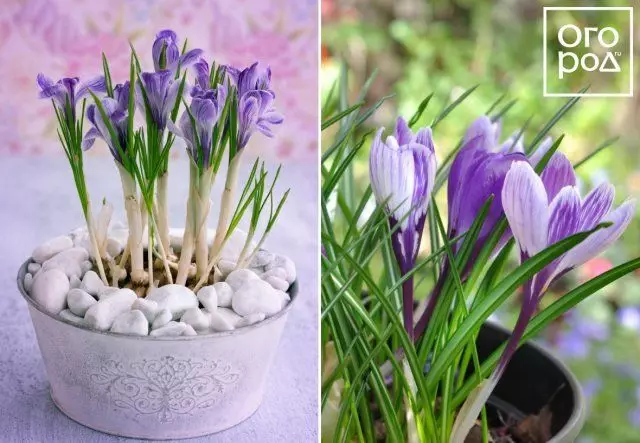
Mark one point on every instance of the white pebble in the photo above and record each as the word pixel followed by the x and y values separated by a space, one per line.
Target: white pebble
pixel 226 266
pixel 79 301
pixel 285 263
pixel 74 282
pixel 208 297
pixel 256 296
pixel 131 323
pixel 33 267
pixel 50 290
pixel 50 248
pixel 148 307
pixel 162 318
pixel 28 282
pixel 251 319
pixel 107 291
pixel 224 293
pixel 114 247
pixel 196 318
pixel 71 317
pixel 175 298
pixel 188 331
pixel 275 272
pixel 277 283
pixel 223 319
pixel 262 258
pixel 284 298
pixel 86 266
pixel 240 277
pixel 101 315
pixel 92 283
pixel 171 329
pixel 69 261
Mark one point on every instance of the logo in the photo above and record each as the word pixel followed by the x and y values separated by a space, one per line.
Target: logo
pixel 588 46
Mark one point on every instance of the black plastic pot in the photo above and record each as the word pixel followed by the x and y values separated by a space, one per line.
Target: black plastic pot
pixel 534 378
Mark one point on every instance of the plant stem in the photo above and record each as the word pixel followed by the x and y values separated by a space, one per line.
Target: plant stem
pixel 163 212
pixel 245 248
pixel 94 245
pixel 134 220
pixel 189 230
pixel 225 206
pixel 203 205
pixel 163 252
pixel 256 249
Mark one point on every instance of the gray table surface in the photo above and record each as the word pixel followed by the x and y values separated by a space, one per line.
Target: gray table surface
pixel 38 201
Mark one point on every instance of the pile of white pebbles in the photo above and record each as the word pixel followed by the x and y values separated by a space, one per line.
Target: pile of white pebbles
pixel 61 280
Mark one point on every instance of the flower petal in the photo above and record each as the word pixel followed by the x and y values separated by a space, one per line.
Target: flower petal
pixel 402 132
pixel 564 214
pixel 483 128
pixel 97 85
pixel 90 138
pixel 525 204
pixel 595 205
pixel 557 174
pixel 543 147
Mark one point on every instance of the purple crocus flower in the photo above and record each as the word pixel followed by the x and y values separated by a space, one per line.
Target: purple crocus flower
pixel 205 108
pixel 477 173
pixel 543 210
pixel 69 88
pixel 162 92
pixel 168 39
pixel 402 170
pixel 255 102
pixel 116 110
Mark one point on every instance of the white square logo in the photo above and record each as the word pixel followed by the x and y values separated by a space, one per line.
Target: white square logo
pixel 588 46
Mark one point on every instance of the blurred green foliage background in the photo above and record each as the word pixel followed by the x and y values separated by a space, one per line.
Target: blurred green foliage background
pixel 418 47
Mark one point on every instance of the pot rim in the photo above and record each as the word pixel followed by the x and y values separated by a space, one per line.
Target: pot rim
pixel 293 293
pixel 579 413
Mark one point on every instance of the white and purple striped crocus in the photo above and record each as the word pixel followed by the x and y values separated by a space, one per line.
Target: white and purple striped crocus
pixel 255 102
pixel 402 169
pixel 477 173
pixel 205 108
pixel 167 41
pixel 162 92
pixel 69 89
pixel 117 111
pixel 541 211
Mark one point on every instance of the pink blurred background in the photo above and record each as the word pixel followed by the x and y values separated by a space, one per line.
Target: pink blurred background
pixel 66 37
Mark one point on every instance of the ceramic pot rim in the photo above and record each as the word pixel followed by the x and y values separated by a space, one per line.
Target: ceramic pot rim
pixel 293 293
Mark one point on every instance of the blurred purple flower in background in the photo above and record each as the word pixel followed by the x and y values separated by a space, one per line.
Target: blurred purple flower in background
pixel 69 88
pixel 402 170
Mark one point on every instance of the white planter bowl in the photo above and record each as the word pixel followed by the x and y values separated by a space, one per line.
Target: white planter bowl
pixel 156 387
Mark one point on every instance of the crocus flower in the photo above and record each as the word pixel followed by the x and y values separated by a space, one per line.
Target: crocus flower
pixel 69 88
pixel 255 102
pixel 477 173
pixel 162 92
pixel 205 108
pixel 168 40
pixel 116 110
pixel 402 170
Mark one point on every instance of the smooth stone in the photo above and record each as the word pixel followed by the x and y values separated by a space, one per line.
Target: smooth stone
pixel 277 283
pixel 275 272
pixel 118 233
pixel 33 267
pixel 28 282
pixel 80 301
pixel 162 318
pixel 175 298
pixel 251 319
pixel 101 315
pixel 131 322
pixel 208 297
pixel 148 307
pixel 262 258
pixel 226 266
pixel 224 319
pixel 83 241
pixel 239 277
pixel 224 293
pixel 50 290
pixel 114 247
pixel 284 298
pixel 69 261
pixel 234 245
pixel 196 318
pixel 171 329
pixel 50 248
pixel 69 316
pixel 189 331
pixel 74 282
pixel 92 283
pixel 256 296
pixel 107 291
pixel 86 266
pixel 285 263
